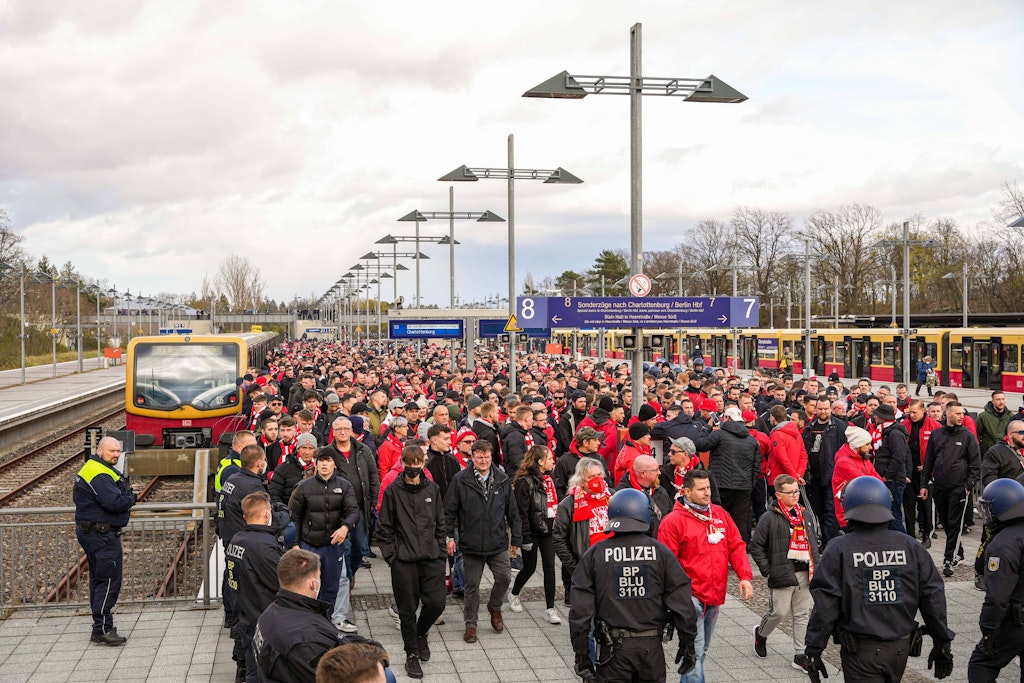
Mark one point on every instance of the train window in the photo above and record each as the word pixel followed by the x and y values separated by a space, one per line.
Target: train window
pixel 888 355
pixel 1010 357
pixel 956 357
pixel 841 352
pixel 830 352
pixel 168 376
pixel 932 350
pixel 876 353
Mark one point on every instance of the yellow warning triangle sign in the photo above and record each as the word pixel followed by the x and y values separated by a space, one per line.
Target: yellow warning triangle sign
pixel 512 325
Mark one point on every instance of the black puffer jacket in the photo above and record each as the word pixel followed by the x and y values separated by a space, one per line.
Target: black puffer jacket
pixel 735 458
pixel 411 526
pixel 893 458
pixel 482 515
pixel 360 469
pixel 319 508
pixel 769 546
pixel 285 478
pixel 514 444
pixel 533 507
pixel 679 426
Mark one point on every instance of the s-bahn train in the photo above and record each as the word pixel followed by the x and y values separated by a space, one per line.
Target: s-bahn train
pixel 973 357
pixel 181 391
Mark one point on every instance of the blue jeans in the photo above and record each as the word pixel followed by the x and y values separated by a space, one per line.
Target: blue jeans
pixel 359 547
pixel 706 617
pixel 458 573
pixel 332 568
pixel 896 489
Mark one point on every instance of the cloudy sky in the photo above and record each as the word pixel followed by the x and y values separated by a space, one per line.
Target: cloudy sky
pixel 146 141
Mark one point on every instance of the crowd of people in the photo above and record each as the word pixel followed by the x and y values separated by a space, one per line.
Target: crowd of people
pixel 448 473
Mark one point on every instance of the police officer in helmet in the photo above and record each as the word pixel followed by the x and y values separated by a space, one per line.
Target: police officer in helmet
pixel 630 585
pixel 1002 613
pixel 868 589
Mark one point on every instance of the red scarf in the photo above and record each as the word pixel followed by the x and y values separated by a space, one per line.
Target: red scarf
pixel 587 506
pixel 549 488
pixel 286 450
pixel 799 546
pixel 263 440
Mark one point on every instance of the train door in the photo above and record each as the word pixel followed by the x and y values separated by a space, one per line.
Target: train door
pixel 967 364
pixel 897 359
pixel 818 355
pixel 995 364
pixel 980 365
pixel 848 358
pixel 720 352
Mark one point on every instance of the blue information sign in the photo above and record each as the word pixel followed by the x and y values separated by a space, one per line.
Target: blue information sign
pixel 581 312
pixel 426 329
pixel 493 328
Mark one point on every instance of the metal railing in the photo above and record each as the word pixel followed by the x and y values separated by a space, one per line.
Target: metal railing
pixel 167 557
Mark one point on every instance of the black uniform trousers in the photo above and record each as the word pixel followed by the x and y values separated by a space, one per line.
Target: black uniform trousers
pixel 1007 642
pixel 636 660
pixel 876 661
pixel 105 556
pixel 949 507
pixel 415 583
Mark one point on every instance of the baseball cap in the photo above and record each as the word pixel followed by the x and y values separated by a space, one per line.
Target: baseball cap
pixel 685 443
pixel 733 413
pixel 749 416
pixel 586 433
pixel 396 403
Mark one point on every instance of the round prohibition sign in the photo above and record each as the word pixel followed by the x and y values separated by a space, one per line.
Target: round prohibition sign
pixel 640 285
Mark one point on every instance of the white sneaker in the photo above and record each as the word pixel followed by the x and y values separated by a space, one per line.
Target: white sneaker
pixel 514 601
pixel 347 627
pixel 552 616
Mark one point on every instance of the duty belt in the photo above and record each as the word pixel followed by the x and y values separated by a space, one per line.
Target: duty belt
pixel 626 633
pixel 97 527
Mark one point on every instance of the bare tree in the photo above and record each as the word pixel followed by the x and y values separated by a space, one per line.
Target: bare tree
pixel 240 282
pixel 842 237
pixel 710 245
pixel 762 239
pixel 1011 204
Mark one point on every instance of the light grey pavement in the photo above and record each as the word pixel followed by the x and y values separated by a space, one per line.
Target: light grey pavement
pixel 35 373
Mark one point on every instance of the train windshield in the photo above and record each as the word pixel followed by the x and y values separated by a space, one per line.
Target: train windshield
pixel 169 376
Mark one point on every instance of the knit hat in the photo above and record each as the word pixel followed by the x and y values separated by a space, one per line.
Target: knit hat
pixel 646 413
pixel 306 440
pixel 360 408
pixel 638 430
pixel 357 424
pixel 857 437
pixel 332 399
pixel 577 395
pixel 474 401
pixel 606 404
pixel 463 433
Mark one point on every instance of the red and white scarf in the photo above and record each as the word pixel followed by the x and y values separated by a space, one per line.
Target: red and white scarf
pixel 286 450
pixel 549 488
pixel 799 546
pixel 588 506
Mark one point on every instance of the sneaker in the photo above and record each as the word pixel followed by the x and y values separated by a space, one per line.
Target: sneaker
pixel 347 626
pixel 366 563
pixel 109 638
pixel 412 666
pixel 979 582
pixel 760 644
pixel 393 613
pixel 947 569
pixel 459 594
pixel 926 542
pixel 424 648
pixel 439 621
pixel 517 605
pixel 968 530
pixel 372 555
pixel 565 600
pixel 552 616
pixel 800 663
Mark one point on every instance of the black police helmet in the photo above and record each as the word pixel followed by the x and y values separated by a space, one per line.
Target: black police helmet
pixel 1002 500
pixel 629 510
pixel 866 499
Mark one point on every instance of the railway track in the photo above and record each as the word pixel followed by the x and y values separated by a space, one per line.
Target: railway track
pixel 31 471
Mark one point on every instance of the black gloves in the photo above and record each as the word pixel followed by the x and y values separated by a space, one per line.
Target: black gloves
pixel 685 656
pixel 942 658
pixel 585 668
pixel 815 667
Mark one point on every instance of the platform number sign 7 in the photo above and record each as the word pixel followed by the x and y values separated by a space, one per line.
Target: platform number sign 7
pixel 744 311
pixel 533 311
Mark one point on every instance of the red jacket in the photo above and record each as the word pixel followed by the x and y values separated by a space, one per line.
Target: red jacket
pixel 927 428
pixel 849 465
pixel 608 430
pixel 787 454
pixel 388 453
pixel 765 444
pixel 624 461
pixel 706 564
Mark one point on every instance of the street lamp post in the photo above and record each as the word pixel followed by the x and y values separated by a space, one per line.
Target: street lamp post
pixel 906 242
pixel 511 174
pixel 393 240
pixel 566 86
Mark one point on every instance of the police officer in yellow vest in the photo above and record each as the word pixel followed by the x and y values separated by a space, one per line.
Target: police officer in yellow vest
pixel 232 464
pixel 103 503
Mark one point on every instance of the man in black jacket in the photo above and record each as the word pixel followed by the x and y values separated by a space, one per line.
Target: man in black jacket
pixel 644 477
pixel 784 546
pixel 892 459
pixel 683 424
pixel 356 463
pixel 1004 459
pixel 442 465
pixel 953 462
pixel 481 505
pixel 823 437
pixel 251 559
pixel 325 511
pixel 517 438
pixel 288 474
pixel 571 418
pixel 410 510
pixel 735 463
pixel 294 632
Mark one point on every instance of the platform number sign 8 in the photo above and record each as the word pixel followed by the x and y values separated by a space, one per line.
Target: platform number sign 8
pixel 526 310
pixel 533 311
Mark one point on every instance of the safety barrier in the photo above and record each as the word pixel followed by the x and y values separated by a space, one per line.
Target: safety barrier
pixel 167 557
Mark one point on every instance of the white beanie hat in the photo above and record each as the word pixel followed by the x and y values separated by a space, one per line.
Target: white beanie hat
pixel 857 437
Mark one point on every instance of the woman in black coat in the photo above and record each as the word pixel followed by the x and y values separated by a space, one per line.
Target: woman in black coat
pixel 535 495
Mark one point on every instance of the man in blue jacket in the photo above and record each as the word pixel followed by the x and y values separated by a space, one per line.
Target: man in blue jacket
pixel 103 502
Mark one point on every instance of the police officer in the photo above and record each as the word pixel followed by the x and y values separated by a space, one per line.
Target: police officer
pixel 630 585
pixel 251 559
pixel 103 503
pixel 231 464
pixel 1002 613
pixel 868 588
